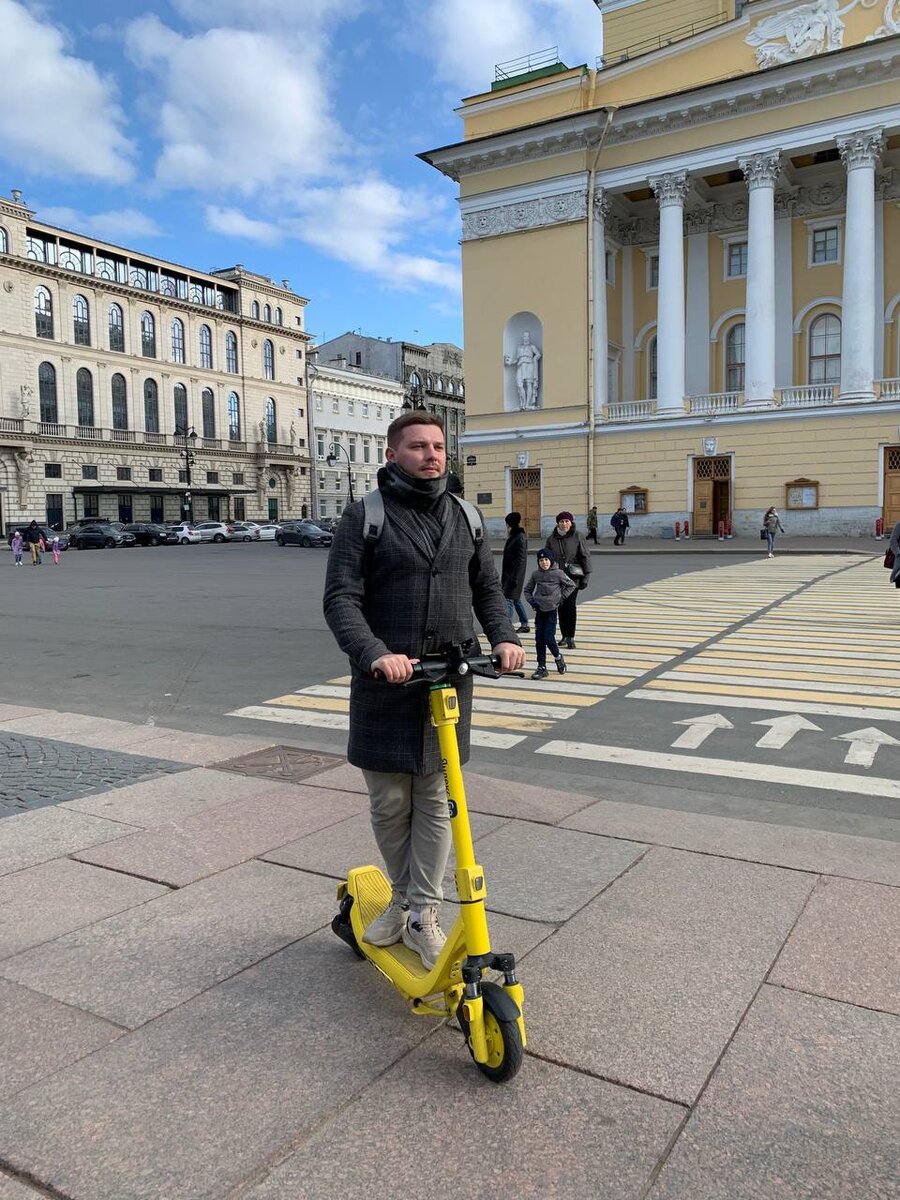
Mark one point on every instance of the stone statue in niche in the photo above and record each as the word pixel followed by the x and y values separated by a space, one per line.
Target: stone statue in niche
pixel 261 485
pixel 293 437
pixel 26 394
pixel 798 33
pixel 291 478
pixel 526 360
pixel 263 432
pixel 24 460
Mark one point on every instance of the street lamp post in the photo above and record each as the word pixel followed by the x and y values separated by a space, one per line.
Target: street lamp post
pixel 190 436
pixel 334 457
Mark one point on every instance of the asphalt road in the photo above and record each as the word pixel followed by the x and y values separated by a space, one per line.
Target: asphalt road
pixel 184 636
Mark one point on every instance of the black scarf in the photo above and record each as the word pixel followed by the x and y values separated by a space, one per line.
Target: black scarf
pixel 426 497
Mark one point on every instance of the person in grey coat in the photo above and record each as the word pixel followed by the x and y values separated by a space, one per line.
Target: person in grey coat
pixel 569 550
pixel 512 572
pixel 545 591
pixel 410 593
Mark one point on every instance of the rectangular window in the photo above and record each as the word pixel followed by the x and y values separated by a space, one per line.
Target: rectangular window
pixel 321 485
pixel 123 472
pixel 336 406
pixel 157 508
pixel 367 450
pixel 88 472
pixel 378 413
pixel 737 260
pixel 320 445
pixel 55 510
pixel 318 403
pixel 212 476
pixel 92 506
pixel 350 407
pixel 825 245
pixel 125 510
pixel 154 474
pixel 351 444
pixel 610 268
pixel 652 272
pixel 182 477
pixel 53 470
pixel 240 508
pixel 238 478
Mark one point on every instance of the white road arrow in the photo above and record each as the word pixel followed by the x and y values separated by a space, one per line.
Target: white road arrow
pixel 864 744
pixel 699 729
pixel 783 729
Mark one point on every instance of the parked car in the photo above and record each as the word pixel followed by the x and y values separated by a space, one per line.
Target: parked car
pixel 100 537
pixel 268 533
pixel 302 533
pixel 244 531
pixel 214 531
pixel 329 524
pixel 182 535
pixel 147 533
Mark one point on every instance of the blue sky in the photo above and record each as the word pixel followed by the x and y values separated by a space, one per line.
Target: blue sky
pixel 280 134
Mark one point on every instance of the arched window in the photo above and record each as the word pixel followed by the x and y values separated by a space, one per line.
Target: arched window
pixel 268 359
pixel 440 383
pixel 735 357
pixel 231 359
pixel 279 317
pixel 414 380
pixel 4 241
pixel 119 402
pixel 81 321
pixel 47 393
pixel 181 410
pixel 825 349
pixel 652 369
pixel 267 313
pixel 148 335
pixel 254 310
pixel 84 391
pixel 151 406
pixel 208 402
pixel 116 328
pixel 43 313
pixel 234 417
pixel 271 424
pixel 206 355
pixel 178 340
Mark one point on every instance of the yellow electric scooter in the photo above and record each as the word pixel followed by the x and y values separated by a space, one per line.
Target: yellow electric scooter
pixel 489 1013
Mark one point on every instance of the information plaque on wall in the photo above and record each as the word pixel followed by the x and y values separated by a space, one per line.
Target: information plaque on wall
pixel 484 498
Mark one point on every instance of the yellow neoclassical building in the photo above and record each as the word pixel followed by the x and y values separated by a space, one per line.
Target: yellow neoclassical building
pixel 681 270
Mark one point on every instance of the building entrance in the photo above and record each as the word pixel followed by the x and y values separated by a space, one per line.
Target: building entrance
pixel 891 487
pixel 712 495
pixel 526 498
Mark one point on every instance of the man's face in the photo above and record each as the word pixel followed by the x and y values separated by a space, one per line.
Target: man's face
pixel 421 452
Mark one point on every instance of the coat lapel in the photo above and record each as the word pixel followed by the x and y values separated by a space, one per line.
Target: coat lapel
pixel 452 514
pixel 405 520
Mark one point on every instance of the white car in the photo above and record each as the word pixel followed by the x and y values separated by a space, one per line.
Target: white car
pixel 214 531
pixel 267 532
pixel 182 535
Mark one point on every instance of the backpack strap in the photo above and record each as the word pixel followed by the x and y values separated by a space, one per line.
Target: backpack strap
pixel 473 518
pixel 373 517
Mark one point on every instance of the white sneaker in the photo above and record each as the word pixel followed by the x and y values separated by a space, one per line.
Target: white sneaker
pixel 388 928
pixel 770 556
pixel 425 936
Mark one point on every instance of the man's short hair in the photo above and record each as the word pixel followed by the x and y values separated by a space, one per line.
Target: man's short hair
pixel 415 417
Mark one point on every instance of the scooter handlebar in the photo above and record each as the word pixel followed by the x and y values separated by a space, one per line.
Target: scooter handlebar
pixel 438 669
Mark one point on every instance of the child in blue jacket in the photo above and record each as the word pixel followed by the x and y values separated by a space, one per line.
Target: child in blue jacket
pixel 545 591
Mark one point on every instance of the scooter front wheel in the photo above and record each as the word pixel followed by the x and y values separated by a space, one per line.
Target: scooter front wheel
pixel 504 1039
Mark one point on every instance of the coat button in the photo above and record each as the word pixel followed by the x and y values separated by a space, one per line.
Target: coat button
pixel 430 633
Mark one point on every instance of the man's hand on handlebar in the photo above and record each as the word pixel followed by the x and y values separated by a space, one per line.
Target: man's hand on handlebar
pixel 511 656
pixel 393 668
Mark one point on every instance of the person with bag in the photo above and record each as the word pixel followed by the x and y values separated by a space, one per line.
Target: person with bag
pixel 619 521
pixel 568 548
pixel 512 572
pixel 34 538
pixel 892 556
pixel 771 526
pixel 592 524
pixel 547 588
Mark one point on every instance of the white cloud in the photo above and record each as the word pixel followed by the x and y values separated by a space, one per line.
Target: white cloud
pixel 58 115
pixel 117 225
pixel 233 223
pixel 311 16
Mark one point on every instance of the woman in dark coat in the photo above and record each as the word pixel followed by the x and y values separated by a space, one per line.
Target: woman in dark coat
pixel 512 573
pixel 895 546
pixel 569 549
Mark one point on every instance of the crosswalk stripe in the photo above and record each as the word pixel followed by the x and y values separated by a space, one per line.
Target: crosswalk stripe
pixel 797 692
pixel 499 721
pixel 495 741
pixel 829 669
pixel 769 703
pixel 293 716
pixel 579 695
pixel 698 675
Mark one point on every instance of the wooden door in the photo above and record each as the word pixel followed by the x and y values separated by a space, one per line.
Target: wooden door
pixel 703 507
pixel 712 494
pixel 526 499
pixel 891 487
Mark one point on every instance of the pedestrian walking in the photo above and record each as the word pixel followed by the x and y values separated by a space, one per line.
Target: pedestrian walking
pixel 895 550
pixel 592 524
pixel 34 538
pixel 16 542
pixel 619 521
pixel 569 550
pixel 771 527
pixel 545 591
pixel 55 546
pixel 512 572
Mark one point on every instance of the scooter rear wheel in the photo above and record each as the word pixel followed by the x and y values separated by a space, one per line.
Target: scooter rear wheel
pixel 340 925
pixel 505 1051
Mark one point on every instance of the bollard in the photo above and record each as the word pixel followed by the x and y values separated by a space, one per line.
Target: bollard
pixel 721 531
pixel 729 528
pixel 879 527
pixel 677 531
pixel 687 530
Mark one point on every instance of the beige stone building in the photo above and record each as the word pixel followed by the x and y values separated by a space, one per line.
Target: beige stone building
pixel 116 366
pixel 681 270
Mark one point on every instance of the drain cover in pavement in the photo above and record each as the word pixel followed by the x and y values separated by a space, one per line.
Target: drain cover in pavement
pixel 285 763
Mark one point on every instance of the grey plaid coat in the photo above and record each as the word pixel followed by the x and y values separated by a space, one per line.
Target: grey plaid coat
pixel 397 597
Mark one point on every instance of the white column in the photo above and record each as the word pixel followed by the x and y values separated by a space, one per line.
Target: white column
pixel 696 376
pixel 670 191
pixel 627 289
pixel 860 153
pixel 600 330
pixel 784 291
pixel 760 171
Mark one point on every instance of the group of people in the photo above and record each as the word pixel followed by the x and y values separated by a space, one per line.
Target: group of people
pixel 33 537
pixel 619 522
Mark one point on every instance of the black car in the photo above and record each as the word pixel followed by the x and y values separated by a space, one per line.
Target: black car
pixel 146 533
pixel 302 533
pixel 99 537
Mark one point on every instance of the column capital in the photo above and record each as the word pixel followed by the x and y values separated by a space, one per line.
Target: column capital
pixel 862 149
pixel 670 189
pixel 761 170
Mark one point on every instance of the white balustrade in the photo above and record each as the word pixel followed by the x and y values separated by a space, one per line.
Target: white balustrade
pixel 631 410
pixel 11 425
pixel 809 396
pixel 155 439
pixel 121 435
pixel 51 429
pixel 716 402
pixel 889 389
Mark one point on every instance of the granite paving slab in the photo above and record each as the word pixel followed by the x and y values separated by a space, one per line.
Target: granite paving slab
pixel 545 873
pixel 549 1133
pixel 507 933
pixel 203 750
pixel 38 1036
pixel 345 778
pixel 35 837
pixel 199 1100
pixel 55 897
pixel 800 849
pixel 134 966
pixel 646 984
pixel 13 712
pixel 804 1106
pixel 508 798
pixel 40 771
pixel 175 797
pixel 62 725
pixel 178 854
pixel 12 1189
pixel 846 945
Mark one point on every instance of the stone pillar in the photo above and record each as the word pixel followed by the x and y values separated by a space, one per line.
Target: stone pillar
pixel 760 171
pixel 670 191
pixel 600 345
pixel 860 153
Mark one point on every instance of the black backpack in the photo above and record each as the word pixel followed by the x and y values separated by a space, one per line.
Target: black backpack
pixel 373 517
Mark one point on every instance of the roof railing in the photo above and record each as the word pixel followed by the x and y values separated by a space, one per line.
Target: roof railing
pixel 679 34
pixel 529 62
